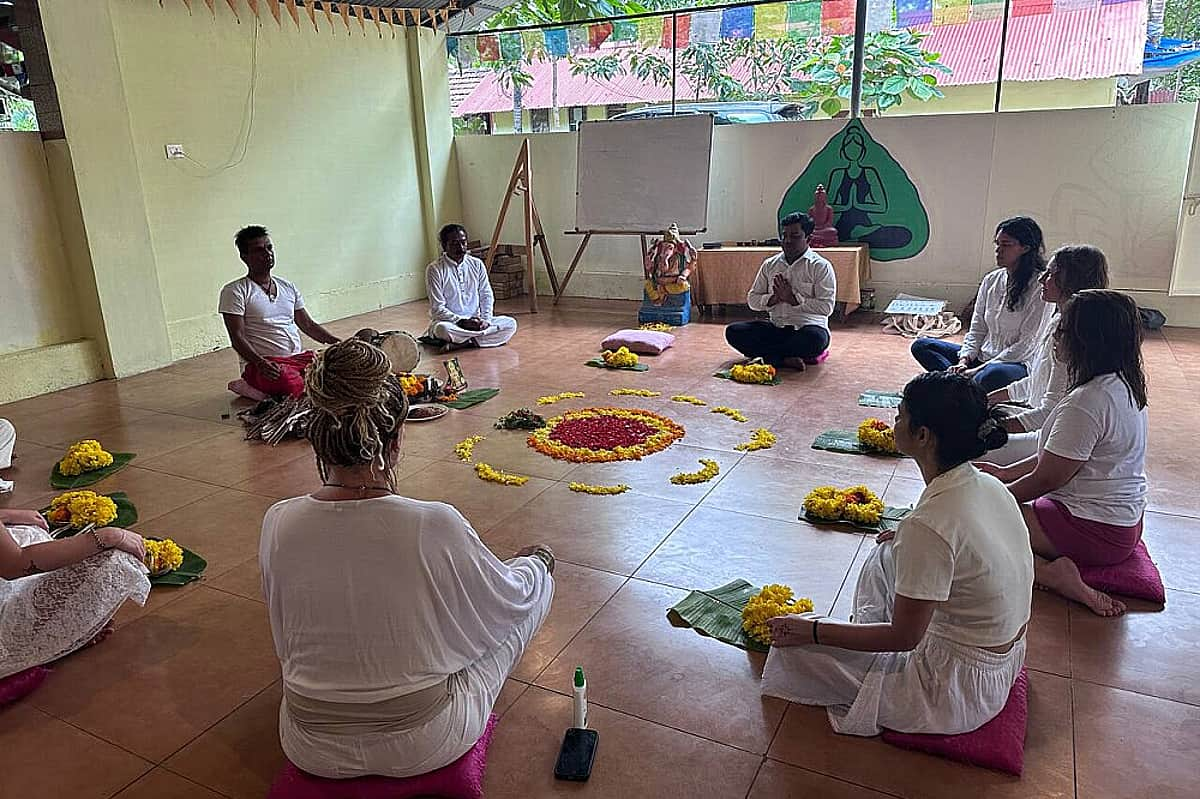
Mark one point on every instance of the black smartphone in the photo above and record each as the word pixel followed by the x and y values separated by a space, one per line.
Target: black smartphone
pixel 576 756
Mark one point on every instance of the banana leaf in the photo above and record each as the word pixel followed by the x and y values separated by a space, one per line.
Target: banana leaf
pixel 717 613
pixel 127 515
pixel 192 567
pixel 889 520
pixel 599 362
pixel 465 399
pixel 727 374
pixel 63 483
pixel 872 398
pixel 847 441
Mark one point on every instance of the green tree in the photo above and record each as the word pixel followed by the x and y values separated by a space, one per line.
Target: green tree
pixel 1182 21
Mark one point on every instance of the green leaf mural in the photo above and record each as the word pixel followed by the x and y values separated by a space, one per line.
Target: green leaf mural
pixel 874 200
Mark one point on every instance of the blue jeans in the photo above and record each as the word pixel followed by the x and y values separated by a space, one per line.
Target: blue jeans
pixel 938 356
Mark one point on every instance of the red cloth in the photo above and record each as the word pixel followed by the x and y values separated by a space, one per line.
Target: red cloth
pixel 1086 542
pixel 291 375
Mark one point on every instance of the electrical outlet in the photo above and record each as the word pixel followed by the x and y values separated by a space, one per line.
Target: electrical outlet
pixel 175 151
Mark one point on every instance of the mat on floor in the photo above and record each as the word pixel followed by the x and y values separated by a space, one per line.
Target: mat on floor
pixel 847 441
pixel 599 363
pixel 61 481
pixel 192 567
pixel 1137 576
pixel 872 398
pixel 727 374
pixel 717 613
pixel 465 399
pixel 127 515
pixel 889 520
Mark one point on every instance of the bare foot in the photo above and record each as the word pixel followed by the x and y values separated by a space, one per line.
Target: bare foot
pixel 1062 577
pixel 795 363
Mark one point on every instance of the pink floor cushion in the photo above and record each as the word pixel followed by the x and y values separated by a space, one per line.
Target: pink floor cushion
pixel 999 744
pixel 822 358
pixel 643 342
pixel 462 779
pixel 20 685
pixel 1136 576
pixel 244 389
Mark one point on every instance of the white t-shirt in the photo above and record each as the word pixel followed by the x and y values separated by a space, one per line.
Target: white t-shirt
pixel 270 324
pixel 966 546
pixel 1099 424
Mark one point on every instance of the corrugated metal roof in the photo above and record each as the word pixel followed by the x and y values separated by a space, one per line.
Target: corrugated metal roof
pixel 1102 42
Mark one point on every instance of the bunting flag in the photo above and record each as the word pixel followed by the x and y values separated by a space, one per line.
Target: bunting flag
pixel 344 10
pixel 837 17
pixel 737 23
pixel 598 34
pixel 510 47
pixel 294 12
pixel 683 29
pixel 375 17
pixel 913 12
pixel 625 30
pixel 770 21
pixel 650 32
pixel 187 3
pixel 880 15
pixel 311 8
pixel 986 9
pixel 577 40
pixel 275 11
pixel 211 6
pixel 467 50
pixel 489 47
pixel 706 27
pixel 556 42
pixel 532 43
pixel 1075 5
pixel 804 19
pixel 1029 8
pixel 452 45
pixel 328 7
pixel 362 19
pixel 233 7
pixel 950 12
pixel 253 7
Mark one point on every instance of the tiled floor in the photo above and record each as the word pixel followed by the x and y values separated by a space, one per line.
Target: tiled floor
pixel 181 701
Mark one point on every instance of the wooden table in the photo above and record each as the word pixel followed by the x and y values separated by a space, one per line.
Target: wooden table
pixel 723 276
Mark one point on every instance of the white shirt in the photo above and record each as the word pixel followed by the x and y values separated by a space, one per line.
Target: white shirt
pixel 812 280
pixel 999 334
pixel 458 291
pixel 269 324
pixel 1099 424
pixel 966 546
pixel 1047 382
pixel 374 599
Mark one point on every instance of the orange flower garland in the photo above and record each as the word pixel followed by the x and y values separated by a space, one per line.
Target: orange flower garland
pixel 601 435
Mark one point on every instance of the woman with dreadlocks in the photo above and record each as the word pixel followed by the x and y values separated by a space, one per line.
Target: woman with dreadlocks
pixel 395 626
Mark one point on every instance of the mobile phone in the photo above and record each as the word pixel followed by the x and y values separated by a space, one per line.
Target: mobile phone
pixel 576 756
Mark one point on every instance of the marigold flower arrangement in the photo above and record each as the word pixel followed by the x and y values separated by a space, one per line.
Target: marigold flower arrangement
pixel 732 413
pixel 657 327
pixel 688 398
pixel 634 392
pixel 711 469
pixel 772 601
pixel 485 472
pixel 856 504
pixel 162 556
pixel 825 502
pixel 587 488
pixel 465 448
pixel 81 508
pixel 412 384
pixel 601 435
pixel 84 456
pixel 622 357
pixel 877 434
pixel 761 438
pixel 553 398
pixel 752 372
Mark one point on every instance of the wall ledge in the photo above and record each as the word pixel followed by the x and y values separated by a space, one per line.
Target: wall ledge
pixel 40 370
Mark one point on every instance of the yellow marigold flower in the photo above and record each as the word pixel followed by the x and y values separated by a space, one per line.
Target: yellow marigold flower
pixel 634 392
pixel 658 327
pixel 622 357
pixel 163 556
pixel 587 488
pixel 859 504
pixel 465 448
pixel 84 456
pixel 732 413
pixel 711 469
pixel 689 399
pixel 752 372
pixel 81 508
pixel 825 502
pixel 877 434
pixel 486 472
pixel 552 398
pixel 772 601
pixel 761 438
pixel 412 384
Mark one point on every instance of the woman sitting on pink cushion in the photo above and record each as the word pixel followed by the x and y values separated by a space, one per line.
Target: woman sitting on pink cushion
pixel 1085 488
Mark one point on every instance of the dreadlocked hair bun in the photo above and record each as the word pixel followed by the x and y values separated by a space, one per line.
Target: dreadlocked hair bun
pixel 358 406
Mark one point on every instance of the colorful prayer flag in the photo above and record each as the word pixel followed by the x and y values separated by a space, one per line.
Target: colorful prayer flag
pixel 683 27
pixel 880 15
pixel 837 17
pixel 804 19
pixel 556 42
pixel 468 51
pixel 770 21
pixel 950 12
pixel 625 30
pixel 706 27
pixel 489 47
pixel 510 47
pixel 1075 5
pixel 452 47
pixel 598 34
pixel 650 32
pixel 986 9
pixel 577 40
pixel 737 23
pixel 1030 8
pixel 913 12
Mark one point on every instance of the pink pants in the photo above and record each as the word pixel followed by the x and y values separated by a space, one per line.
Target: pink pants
pixel 1086 542
pixel 291 375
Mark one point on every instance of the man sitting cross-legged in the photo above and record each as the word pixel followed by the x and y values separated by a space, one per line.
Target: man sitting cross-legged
pixel 461 299
pixel 264 315
pixel 797 288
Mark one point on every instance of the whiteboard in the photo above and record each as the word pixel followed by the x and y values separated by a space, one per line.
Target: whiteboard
pixel 640 175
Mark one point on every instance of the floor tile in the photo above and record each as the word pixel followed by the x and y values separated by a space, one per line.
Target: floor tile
pixel 227 459
pixel 637 663
pixel 481 502
pixel 61 429
pixel 777 780
pixel 154 493
pixel 30 474
pixel 652 475
pixel 157 434
pixel 162 784
pixel 244 580
pixel 1174 544
pixel 1048 639
pixel 633 757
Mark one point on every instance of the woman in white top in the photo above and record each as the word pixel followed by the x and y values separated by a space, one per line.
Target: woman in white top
pixel 57 596
pixel 1072 269
pixel 395 626
pixel 940 610
pixel 1086 486
pixel 1008 312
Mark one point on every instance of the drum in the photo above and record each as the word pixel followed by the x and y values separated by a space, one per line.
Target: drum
pixel 401 348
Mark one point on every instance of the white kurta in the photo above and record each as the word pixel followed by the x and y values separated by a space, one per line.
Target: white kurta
pixel 998 334
pixel 462 291
pixel 374 600
pixel 8 440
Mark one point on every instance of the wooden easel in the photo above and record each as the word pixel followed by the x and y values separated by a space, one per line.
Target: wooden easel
pixel 521 183
pixel 587 238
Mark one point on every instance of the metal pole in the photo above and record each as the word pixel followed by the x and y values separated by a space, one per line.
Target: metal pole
pixel 674 51
pixel 1003 48
pixel 860 36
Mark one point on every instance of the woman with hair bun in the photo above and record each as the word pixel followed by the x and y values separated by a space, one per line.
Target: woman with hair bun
pixel 941 607
pixel 395 626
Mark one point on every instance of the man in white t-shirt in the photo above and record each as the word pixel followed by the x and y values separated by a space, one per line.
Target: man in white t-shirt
pixel 264 315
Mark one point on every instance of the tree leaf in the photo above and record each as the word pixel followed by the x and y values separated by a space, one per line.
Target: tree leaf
pixel 832 106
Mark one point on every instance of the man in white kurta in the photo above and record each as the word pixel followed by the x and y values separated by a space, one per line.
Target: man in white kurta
pixel 460 297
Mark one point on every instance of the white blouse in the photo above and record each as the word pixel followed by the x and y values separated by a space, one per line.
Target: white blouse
pixel 1047 380
pixel 998 334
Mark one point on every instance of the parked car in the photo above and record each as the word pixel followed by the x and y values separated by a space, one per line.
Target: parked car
pixel 729 113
